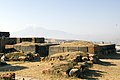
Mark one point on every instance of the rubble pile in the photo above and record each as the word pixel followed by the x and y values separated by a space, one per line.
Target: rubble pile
pixel 19 56
pixel 72 57
pixel 70 64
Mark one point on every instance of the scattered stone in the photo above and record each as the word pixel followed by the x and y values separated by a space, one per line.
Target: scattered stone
pixel 8 76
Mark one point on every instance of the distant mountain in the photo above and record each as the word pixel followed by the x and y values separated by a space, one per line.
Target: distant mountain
pixel 56 34
pixel 42 32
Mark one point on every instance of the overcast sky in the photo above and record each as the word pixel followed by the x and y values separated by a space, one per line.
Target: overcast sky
pixel 74 16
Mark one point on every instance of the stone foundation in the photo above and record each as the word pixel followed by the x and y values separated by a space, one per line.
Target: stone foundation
pixel 99 49
pixel 58 49
pixel 41 49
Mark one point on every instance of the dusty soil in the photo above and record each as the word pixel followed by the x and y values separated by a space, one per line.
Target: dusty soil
pixel 75 44
pixel 108 69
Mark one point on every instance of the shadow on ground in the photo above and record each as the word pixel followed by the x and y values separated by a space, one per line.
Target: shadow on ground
pixel 104 63
pixel 92 74
pixel 95 74
pixel 8 67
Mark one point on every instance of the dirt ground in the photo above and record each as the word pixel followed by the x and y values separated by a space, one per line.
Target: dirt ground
pixel 108 69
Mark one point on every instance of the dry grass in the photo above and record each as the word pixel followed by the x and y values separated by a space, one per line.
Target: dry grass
pixel 108 69
pixel 78 43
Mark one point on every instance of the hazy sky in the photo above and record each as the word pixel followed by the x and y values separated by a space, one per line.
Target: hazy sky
pixel 73 16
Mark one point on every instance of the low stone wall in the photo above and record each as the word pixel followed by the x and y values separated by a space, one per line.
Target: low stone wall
pixel 2 44
pixel 93 48
pixel 11 41
pixel 60 49
pixel 38 40
pixel 102 50
pixel 42 50
pixel 4 34
pixel 49 49
pixel 30 48
pixel 25 39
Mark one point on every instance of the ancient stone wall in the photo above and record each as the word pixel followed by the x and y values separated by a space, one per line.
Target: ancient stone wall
pixel 102 50
pixel 95 49
pixel 58 49
pixel 4 34
pixel 2 44
pixel 25 39
pixel 11 41
pixel 42 50
pixel 38 40
pixel 29 48
pixel 35 40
